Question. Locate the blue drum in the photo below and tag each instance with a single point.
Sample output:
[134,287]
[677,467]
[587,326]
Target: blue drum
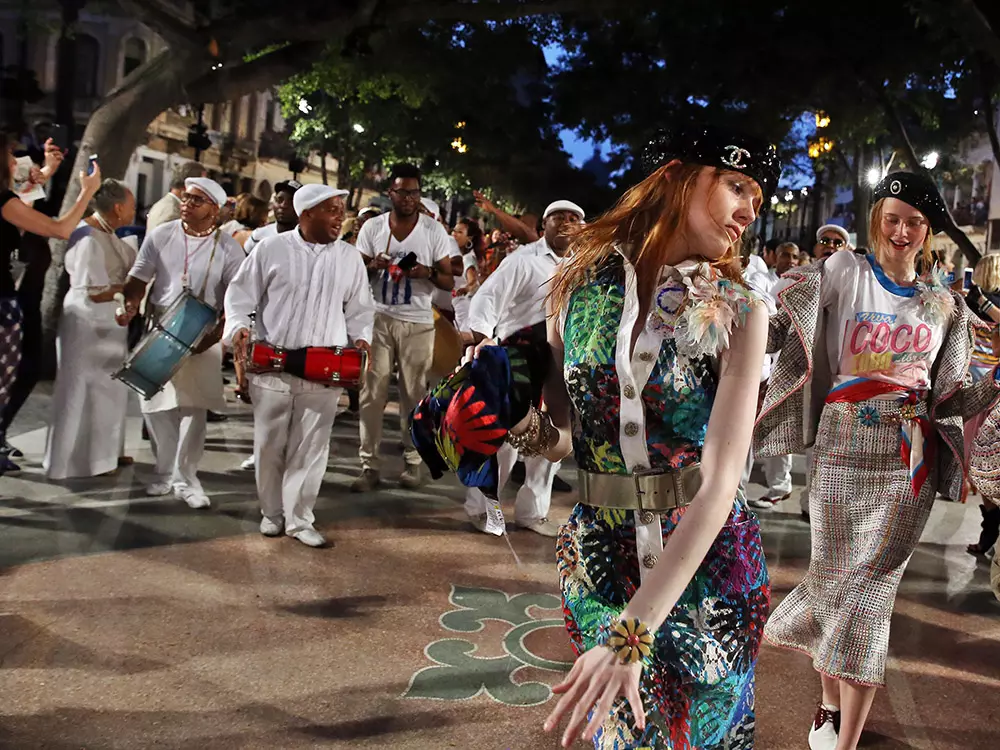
[162,351]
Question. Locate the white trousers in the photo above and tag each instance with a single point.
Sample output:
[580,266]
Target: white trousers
[178,440]
[534,497]
[291,445]
[777,472]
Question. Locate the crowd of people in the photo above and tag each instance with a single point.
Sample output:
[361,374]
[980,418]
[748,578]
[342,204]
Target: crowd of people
[645,343]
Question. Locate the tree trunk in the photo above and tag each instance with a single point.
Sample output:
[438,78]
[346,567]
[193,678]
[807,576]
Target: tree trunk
[114,131]
[66,69]
[860,201]
[990,110]
[956,235]
[322,167]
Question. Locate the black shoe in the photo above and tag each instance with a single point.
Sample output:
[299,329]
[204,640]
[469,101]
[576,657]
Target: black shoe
[561,485]
[145,431]
[518,472]
[8,467]
[990,533]
[10,450]
[216,417]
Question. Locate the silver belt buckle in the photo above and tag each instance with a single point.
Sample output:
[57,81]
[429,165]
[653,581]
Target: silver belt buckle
[637,475]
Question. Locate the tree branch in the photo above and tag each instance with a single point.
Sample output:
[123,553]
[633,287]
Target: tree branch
[232,82]
[495,11]
[173,29]
[987,80]
[973,25]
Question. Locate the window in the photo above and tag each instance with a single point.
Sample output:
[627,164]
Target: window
[135,55]
[88,56]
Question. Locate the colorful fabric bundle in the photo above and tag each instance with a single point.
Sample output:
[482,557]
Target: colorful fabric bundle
[461,424]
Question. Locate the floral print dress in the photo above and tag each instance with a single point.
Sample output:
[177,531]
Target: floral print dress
[650,411]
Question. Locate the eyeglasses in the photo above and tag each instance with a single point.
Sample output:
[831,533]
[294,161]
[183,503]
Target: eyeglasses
[195,200]
[836,242]
[406,193]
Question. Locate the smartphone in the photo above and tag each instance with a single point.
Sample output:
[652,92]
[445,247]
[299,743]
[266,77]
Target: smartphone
[408,261]
[59,136]
[91,163]
[967,279]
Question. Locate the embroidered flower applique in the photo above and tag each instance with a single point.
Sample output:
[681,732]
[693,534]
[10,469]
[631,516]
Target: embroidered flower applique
[701,316]
[868,416]
[937,304]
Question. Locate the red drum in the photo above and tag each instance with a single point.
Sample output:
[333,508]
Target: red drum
[336,365]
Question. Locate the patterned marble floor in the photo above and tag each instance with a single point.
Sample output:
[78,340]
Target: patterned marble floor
[133,622]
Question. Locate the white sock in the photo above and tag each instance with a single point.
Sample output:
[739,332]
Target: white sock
[828,707]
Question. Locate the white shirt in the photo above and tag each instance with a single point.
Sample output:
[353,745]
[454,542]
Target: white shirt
[167,209]
[513,297]
[874,331]
[408,300]
[538,247]
[304,294]
[163,254]
[759,278]
[259,235]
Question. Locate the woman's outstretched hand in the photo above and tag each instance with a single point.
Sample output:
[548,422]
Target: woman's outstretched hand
[598,677]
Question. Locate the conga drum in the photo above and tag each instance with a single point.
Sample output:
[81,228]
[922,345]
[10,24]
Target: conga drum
[447,346]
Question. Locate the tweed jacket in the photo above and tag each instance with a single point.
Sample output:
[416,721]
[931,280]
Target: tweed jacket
[803,376]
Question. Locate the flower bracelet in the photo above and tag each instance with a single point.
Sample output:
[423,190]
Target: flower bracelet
[630,639]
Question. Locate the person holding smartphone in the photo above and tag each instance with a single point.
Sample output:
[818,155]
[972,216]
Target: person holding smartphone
[408,255]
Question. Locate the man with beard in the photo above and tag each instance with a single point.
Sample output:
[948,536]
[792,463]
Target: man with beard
[285,218]
[408,255]
[510,301]
[308,289]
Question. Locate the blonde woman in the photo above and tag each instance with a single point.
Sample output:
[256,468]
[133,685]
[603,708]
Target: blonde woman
[884,355]
[982,432]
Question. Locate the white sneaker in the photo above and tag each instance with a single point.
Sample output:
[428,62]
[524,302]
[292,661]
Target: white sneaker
[542,526]
[310,538]
[478,522]
[248,464]
[194,498]
[824,729]
[271,528]
[158,489]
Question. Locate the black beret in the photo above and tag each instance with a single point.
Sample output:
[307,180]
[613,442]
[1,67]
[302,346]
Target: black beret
[916,190]
[716,147]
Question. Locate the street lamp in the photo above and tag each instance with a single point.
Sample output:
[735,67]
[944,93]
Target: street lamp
[874,175]
[822,120]
[359,128]
[789,196]
[304,107]
[930,161]
[774,200]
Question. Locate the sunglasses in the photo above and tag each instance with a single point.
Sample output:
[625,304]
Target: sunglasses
[837,242]
[195,200]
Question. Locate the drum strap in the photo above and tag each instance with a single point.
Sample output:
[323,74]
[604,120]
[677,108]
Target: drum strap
[208,268]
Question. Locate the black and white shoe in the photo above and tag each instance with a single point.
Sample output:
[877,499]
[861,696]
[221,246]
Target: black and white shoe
[825,729]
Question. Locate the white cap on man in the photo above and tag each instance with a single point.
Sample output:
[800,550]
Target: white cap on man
[564,206]
[211,188]
[310,196]
[834,228]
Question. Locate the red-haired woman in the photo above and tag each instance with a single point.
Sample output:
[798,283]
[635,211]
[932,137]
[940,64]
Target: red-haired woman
[883,355]
[658,348]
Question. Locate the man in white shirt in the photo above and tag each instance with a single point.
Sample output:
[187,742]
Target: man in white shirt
[309,289]
[510,300]
[285,218]
[408,255]
[168,208]
[192,255]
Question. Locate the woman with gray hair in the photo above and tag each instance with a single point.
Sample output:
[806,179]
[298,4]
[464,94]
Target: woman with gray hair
[87,431]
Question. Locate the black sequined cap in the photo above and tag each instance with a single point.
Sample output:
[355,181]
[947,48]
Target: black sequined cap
[916,190]
[714,147]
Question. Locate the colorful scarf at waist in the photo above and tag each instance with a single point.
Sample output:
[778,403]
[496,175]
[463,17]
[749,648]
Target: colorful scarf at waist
[916,446]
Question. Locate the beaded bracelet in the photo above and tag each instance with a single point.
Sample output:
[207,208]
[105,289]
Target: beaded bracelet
[540,436]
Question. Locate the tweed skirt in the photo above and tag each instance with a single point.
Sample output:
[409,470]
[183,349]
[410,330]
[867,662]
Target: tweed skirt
[866,523]
[984,458]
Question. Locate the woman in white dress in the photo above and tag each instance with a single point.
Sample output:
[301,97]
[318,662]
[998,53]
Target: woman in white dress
[87,431]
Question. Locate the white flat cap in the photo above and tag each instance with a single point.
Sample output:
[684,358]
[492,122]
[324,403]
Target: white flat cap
[563,206]
[431,206]
[209,187]
[310,196]
[834,228]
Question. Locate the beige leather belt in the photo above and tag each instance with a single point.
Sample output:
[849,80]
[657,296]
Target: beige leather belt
[650,490]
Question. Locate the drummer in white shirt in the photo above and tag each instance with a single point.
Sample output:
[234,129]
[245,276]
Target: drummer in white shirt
[309,289]
[512,299]
[187,255]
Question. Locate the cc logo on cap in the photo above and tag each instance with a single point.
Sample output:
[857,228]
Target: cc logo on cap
[895,186]
[735,157]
